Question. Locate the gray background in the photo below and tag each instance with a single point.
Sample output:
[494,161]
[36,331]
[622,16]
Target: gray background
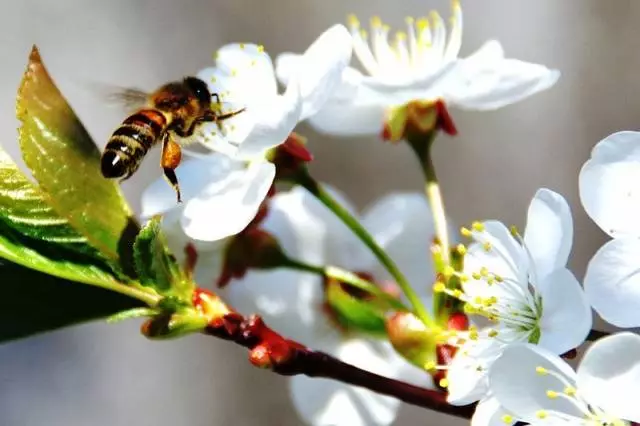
[108,375]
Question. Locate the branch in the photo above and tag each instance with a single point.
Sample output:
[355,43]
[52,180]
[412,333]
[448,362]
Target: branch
[596,334]
[285,357]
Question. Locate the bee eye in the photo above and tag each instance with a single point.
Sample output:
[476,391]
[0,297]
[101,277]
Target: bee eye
[199,89]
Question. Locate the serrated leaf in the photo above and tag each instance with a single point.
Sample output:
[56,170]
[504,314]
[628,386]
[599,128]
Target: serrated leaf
[155,264]
[353,313]
[33,302]
[66,163]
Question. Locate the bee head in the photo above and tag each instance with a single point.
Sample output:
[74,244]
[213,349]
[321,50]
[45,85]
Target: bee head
[200,89]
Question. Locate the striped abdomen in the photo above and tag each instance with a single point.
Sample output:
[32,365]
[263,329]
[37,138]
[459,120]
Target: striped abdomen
[131,141]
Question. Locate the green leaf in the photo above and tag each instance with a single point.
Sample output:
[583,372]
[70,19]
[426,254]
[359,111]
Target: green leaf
[353,313]
[66,163]
[155,264]
[33,302]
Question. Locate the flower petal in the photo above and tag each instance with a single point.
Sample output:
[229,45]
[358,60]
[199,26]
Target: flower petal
[401,223]
[349,118]
[609,375]
[608,189]
[323,402]
[549,231]
[489,412]
[566,314]
[273,122]
[612,282]
[319,70]
[193,175]
[521,389]
[486,80]
[467,372]
[226,205]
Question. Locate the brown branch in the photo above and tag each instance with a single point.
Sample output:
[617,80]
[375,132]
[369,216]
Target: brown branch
[285,357]
[596,334]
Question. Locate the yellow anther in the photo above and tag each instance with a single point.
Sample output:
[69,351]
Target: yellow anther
[514,230]
[508,419]
[570,391]
[476,275]
[493,300]
[466,232]
[552,394]
[469,309]
[486,246]
[498,278]
[484,271]
[461,249]
[376,22]
[443,382]
[363,34]
[541,371]
[493,333]
[492,318]
[491,281]
[449,271]
[439,287]
[213,79]
[430,365]
[457,293]
[478,226]
[401,36]
[253,62]
[234,72]
[260,48]
[422,24]
[353,21]
[435,16]
[463,278]
[478,300]
[473,335]
[409,20]
[242,45]
[541,414]
[385,28]
[455,4]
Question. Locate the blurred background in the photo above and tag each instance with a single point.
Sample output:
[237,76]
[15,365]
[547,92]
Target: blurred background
[109,375]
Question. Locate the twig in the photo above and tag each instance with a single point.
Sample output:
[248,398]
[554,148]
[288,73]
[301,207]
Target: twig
[285,357]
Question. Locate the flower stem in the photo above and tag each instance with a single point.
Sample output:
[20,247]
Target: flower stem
[349,278]
[306,181]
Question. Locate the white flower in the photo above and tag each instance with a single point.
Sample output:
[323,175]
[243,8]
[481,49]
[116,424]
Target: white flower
[524,287]
[293,303]
[539,388]
[223,191]
[420,64]
[610,196]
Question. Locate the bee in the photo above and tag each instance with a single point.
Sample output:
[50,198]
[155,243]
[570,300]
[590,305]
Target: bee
[171,113]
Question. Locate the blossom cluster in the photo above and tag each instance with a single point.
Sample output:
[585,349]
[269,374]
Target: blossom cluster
[485,315]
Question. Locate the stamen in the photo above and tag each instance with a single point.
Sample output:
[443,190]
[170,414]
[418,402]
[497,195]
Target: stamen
[508,419]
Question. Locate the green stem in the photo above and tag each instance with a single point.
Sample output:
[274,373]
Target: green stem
[306,181]
[349,278]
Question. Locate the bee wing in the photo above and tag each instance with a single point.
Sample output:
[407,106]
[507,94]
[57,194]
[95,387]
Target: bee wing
[128,98]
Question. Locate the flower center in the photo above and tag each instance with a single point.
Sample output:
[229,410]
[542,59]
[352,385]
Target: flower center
[505,300]
[419,51]
[591,414]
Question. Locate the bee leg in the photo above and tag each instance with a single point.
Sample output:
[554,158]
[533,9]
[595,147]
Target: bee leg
[170,160]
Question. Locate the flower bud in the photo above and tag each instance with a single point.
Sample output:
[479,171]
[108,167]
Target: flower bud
[289,156]
[253,248]
[418,117]
[412,339]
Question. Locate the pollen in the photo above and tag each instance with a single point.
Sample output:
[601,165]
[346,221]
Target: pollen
[465,232]
[541,371]
[570,391]
[476,275]
[508,419]
[541,414]
[464,278]
[253,62]
[439,287]
[422,24]
[478,226]
[260,48]
[430,365]
[242,46]
[484,272]
[401,36]
[443,383]
[486,246]
[449,271]
[493,333]
[213,79]
[514,230]
[234,72]
[457,293]
[353,21]
[376,22]
[364,34]
[461,249]
[552,394]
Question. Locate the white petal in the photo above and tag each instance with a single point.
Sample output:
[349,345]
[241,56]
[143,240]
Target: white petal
[566,314]
[489,412]
[486,80]
[273,122]
[250,69]
[612,282]
[193,176]
[349,118]
[549,231]
[319,70]
[402,225]
[517,386]
[225,206]
[609,375]
[468,370]
[322,402]
[608,189]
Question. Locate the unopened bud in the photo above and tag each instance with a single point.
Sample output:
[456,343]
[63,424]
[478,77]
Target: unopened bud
[415,118]
[412,339]
[458,321]
[251,249]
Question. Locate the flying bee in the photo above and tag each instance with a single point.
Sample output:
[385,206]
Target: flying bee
[171,113]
